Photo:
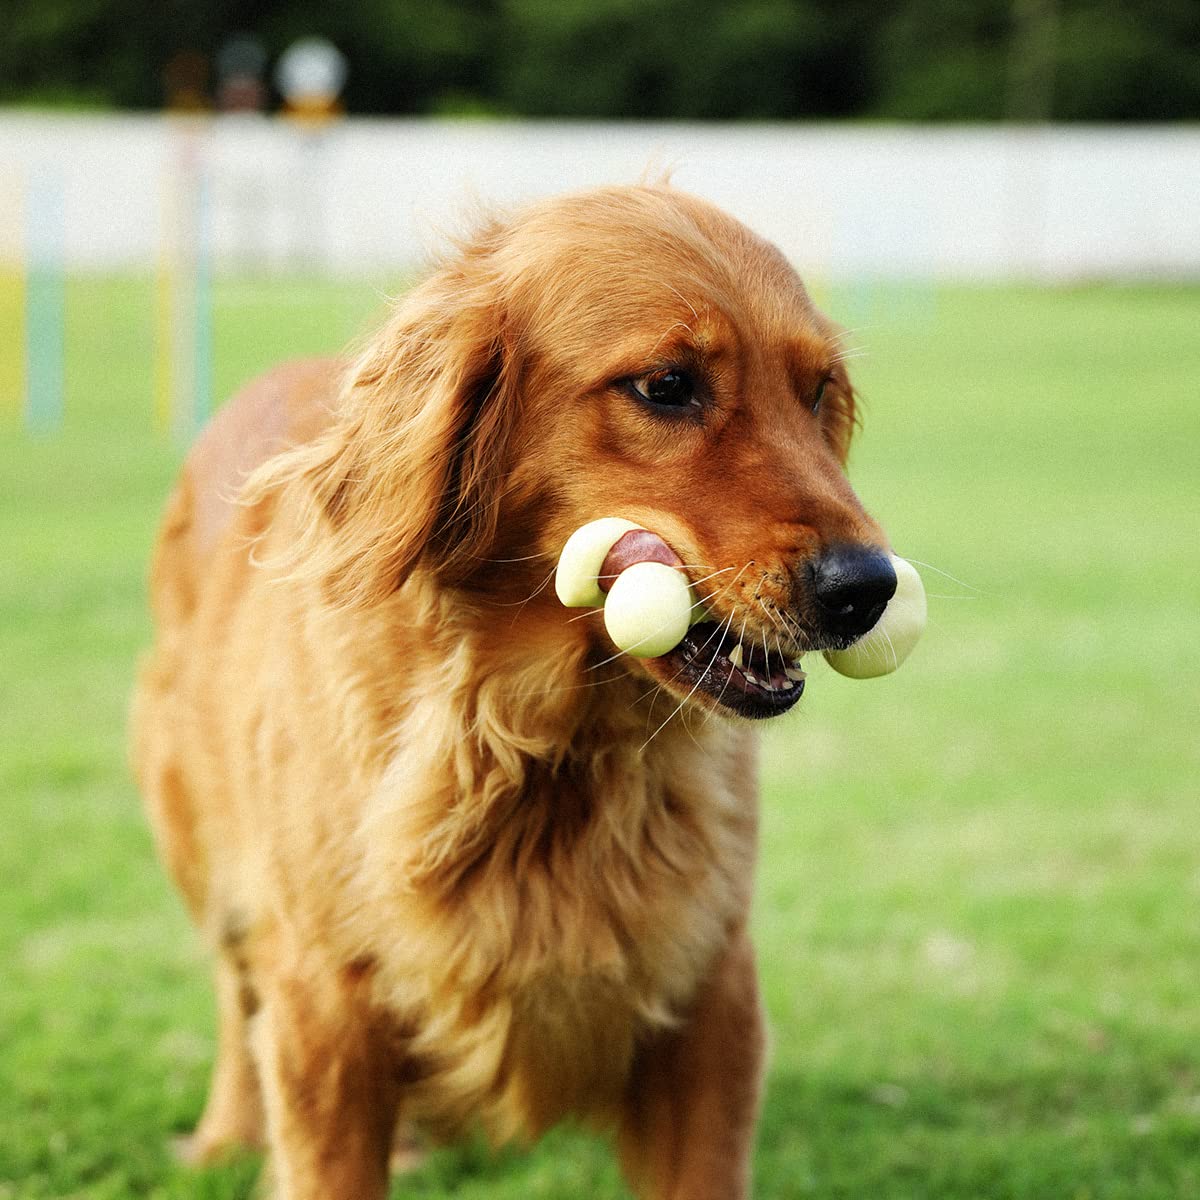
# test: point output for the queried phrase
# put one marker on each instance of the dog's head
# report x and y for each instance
(627, 352)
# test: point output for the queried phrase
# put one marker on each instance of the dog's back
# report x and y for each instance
(283, 408)
(286, 407)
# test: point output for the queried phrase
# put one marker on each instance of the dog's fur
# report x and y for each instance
(449, 871)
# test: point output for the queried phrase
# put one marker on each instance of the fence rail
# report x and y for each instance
(843, 201)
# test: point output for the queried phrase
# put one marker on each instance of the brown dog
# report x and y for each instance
(457, 861)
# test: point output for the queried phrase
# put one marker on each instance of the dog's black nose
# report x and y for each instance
(852, 585)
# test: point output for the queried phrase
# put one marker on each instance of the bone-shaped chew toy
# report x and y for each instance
(890, 640)
(648, 601)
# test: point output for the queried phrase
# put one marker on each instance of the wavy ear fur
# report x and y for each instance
(411, 466)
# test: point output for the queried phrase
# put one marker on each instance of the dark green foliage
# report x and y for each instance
(669, 58)
(706, 59)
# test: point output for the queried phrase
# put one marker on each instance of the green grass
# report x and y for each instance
(980, 881)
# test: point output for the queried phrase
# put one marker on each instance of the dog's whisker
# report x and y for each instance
(794, 625)
(782, 633)
(727, 586)
(660, 686)
(852, 330)
(711, 575)
(681, 566)
(774, 618)
(678, 325)
(541, 587)
(849, 331)
(622, 653)
(650, 691)
(587, 612)
(721, 695)
(718, 633)
(686, 301)
(708, 716)
(895, 661)
(563, 688)
(716, 653)
(916, 562)
(523, 558)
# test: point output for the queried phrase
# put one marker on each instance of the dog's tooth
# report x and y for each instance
(749, 678)
(794, 673)
(735, 655)
(786, 685)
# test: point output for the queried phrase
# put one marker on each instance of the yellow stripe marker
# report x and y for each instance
(14, 308)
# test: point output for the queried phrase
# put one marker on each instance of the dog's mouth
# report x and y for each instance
(741, 677)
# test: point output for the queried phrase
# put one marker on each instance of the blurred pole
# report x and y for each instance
(164, 383)
(183, 322)
(202, 346)
(13, 307)
(183, 237)
(1033, 61)
(46, 295)
(183, 357)
(1032, 64)
(242, 97)
(310, 75)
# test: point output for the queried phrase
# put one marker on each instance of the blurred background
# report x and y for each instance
(979, 894)
(943, 60)
(939, 140)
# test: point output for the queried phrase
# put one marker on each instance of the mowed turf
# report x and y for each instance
(978, 907)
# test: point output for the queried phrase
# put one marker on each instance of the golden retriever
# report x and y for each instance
(458, 863)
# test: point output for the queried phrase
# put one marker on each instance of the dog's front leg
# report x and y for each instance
(329, 1087)
(688, 1127)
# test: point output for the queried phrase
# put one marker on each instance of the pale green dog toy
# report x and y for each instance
(891, 639)
(649, 605)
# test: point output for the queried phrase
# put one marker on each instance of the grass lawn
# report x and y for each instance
(979, 896)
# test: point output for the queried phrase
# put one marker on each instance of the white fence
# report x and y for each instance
(843, 201)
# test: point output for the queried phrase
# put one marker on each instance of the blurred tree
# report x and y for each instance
(942, 59)
(1121, 62)
(404, 55)
(1033, 59)
(99, 51)
(912, 59)
(664, 58)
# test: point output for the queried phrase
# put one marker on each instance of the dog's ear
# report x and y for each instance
(412, 466)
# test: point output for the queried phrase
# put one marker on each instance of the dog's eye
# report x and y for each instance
(668, 389)
(816, 404)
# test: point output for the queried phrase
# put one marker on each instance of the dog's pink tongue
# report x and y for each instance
(636, 546)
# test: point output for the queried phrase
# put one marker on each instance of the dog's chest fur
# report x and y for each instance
(570, 916)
